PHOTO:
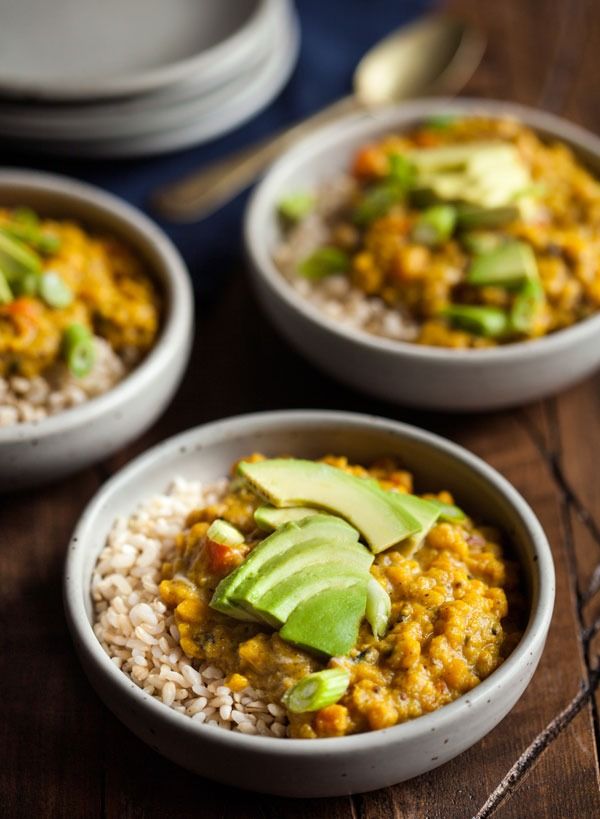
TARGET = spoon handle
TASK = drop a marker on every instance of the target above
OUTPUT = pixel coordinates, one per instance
(204, 191)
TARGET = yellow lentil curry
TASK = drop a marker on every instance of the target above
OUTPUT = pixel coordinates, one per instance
(456, 613)
(475, 230)
(60, 286)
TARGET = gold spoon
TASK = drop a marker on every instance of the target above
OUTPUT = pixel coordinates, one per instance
(435, 55)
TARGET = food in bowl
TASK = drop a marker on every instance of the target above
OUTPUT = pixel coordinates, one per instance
(78, 311)
(306, 598)
(462, 232)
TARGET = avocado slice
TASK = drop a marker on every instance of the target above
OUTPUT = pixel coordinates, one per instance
(297, 562)
(16, 259)
(424, 511)
(329, 621)
(487, 321)
(295, 482)
(277, 602)
(326, 527)
(271, 518)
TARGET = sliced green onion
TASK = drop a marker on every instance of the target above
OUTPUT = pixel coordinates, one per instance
(25, 216)
(491, 322)
(526, 304)
(16, 259)
(377, 202)
(54, 290)
(480, 242)
(473, 216)
(440, 122)
(6, 295)
(316, 691)
(296, 206)
(78, 349)
(448, 511)
(506, 266)
(47, 243)
(379, 607)
(401, 171)
(26, 285)
(326, 261)
(435, 225)
(220, 531)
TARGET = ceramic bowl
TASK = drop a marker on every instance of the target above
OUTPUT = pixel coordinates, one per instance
(43, 451)
(405, 373)
(320, 767)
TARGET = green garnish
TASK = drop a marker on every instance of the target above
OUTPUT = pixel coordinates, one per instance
(27, 285)
(401, 171)
(526, 304)
(491, 322)
(435, 225)
(449, 512)
(379, 607)
(295, 207)
(480, 242)
(316, 691)
(472, 216)
(326, 261)
(6, 295)
(440, 122)
(16, 259)
(26, 216)
(78, 349)
(54, 290)
(220, 531)
(376, 202)
(507, 266)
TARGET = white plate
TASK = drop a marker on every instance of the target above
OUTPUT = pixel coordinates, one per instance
(130, 117)
(191, 130)
(87, 49)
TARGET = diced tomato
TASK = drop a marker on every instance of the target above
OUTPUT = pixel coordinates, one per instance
(221, 558)
(370, 161)
(23, 307)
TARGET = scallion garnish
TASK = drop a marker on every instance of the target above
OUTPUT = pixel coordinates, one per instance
(6, 295)
(435, 225)
(491, 322)
(326, 261)
(296, 207)
(526, 304)
(78, 349)
(379, 607)
(316, 690)
(54, 290)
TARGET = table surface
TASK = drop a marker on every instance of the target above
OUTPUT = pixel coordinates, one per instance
(65, 755)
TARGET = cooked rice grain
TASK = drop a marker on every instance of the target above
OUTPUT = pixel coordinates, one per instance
(138, 632)
(33, 399)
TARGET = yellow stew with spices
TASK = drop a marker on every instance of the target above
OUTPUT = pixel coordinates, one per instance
(475, 230)
(59, 287)
(353, 602)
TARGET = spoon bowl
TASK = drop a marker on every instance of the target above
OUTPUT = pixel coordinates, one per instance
(431, 56)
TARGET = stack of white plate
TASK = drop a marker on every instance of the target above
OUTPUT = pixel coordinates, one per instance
(134, 77)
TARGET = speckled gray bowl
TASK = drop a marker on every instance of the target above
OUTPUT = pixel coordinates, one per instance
(320, 767)
(413, 374)
(43, 451)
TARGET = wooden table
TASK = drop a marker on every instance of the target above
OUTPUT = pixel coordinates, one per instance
(63, 753)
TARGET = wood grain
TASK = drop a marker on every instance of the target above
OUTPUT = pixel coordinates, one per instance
(64, 755)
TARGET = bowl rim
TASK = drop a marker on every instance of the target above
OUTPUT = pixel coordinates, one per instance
(178, 316)
(262, 202)
(218, 431)
(211, 61)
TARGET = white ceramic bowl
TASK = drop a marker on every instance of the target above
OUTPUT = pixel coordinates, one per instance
(322, 767)
(38, 452)
(406, 373)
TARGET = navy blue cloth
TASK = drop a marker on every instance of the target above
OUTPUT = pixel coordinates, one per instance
(335, 34)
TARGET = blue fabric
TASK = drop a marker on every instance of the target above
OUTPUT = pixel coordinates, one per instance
(335, 34)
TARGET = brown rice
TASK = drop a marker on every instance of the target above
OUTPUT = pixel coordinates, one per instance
(138, 632)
